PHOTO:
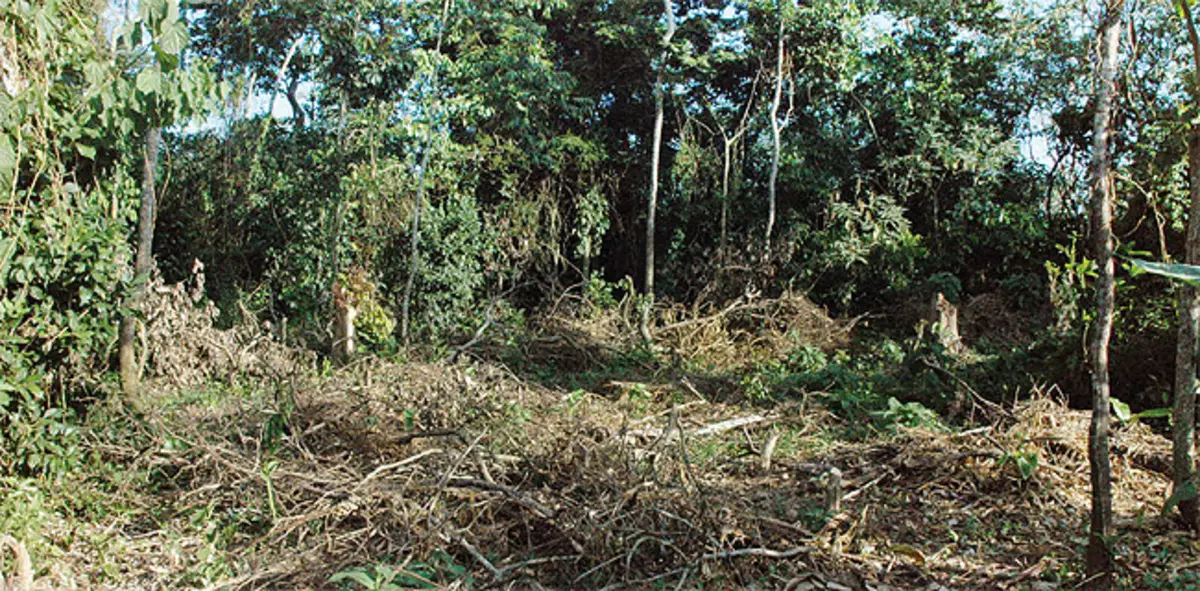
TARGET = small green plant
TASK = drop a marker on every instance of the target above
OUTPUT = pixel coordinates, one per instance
(1025, 461)
(267, 470)
(377, 578)
(441, 568)
(908, 414)
(1178, 581)
(574, 399)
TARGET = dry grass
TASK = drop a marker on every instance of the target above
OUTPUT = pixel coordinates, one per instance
(466, 475)
(474, 471)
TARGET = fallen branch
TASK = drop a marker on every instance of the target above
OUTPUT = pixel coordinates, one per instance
(384, 468)
(760, 552)
(731, 424)
(410, 437)
(512, 493)
(979, 399)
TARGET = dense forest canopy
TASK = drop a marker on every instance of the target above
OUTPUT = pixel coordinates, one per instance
(421, 180)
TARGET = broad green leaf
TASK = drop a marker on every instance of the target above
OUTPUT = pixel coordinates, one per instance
(86, 150)
(1153, 413)
(356, 575)
(149, 81)
(151, 11)
(1121, 410)
(8, 155)
(1187, 273)
(174, 37)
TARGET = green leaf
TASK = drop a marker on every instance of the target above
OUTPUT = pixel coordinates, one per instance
(357, 575)
(87, 151)
(1153, 413)
(1121, 410)
(174, 37)
(1187, 273)
(149, 81)
(8, 155)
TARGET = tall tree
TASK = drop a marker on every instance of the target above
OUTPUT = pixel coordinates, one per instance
(163, 93)
(415, 254)
(1099, 551)
(655, 157)
(143, 262)
(776, 130)
(1183, 461)
(731, 134)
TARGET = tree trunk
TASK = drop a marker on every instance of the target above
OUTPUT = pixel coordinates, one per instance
(414, 255)
(722, 255)
(130, 372)
(655, 157)
(1183, 428)
(415, 238)
(1099, 551)
(298, 116)
(776, 130)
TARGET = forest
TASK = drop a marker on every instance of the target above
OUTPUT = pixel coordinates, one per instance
(819, 295)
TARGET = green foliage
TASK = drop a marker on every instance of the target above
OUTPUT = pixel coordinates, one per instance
(440, 569)
(1123, 414)
(1177, 581)
(908, 414)
(451, 273)
(1186, 273)
(1025, 461)
(68, 201)
(1069, 285)
(866, 246)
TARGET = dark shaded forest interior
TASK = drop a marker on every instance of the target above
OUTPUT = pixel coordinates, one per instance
(817, 295)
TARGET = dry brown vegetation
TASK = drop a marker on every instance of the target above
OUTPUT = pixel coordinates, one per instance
(258, 470)
(444, 470)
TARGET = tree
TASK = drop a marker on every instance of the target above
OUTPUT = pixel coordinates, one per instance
(1183, 429)
(163, 93)
(655, 156)
(143, 262)
(1099, 551)
(730, 136)
(776, 129)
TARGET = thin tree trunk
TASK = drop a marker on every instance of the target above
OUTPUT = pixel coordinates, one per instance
(655, 157)
(1183, 429)
(298, 115)
(129, 369)
(722, 255)
(1099, 551)
(776, 130)
(730, 142)
(415, 253)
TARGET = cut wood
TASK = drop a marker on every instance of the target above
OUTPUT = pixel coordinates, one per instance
(731, 424)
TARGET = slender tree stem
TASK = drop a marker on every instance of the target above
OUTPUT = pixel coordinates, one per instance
(1099, 551)
(655, 157)
(144, 260)
(414, 258)
(1183, 461)
(776, 132)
